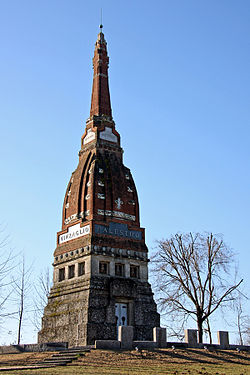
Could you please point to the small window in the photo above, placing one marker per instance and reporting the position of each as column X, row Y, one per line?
column 81, row 269
column 119, row 269
column 71, row 271
column 103, row 268
column 61, row 274
column 134, row 271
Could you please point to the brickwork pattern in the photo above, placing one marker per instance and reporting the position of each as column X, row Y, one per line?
column 100, row 227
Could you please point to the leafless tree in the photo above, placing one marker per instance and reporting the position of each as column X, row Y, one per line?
column 208, row 331
column 42, row 289
column 248, row 334
column 21, row 292
column 242, row 318
column 193, row 275
column 7, row 265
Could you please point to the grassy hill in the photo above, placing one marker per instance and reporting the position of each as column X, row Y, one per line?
column 162, row 361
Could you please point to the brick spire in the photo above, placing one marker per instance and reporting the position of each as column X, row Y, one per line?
column 100, row 100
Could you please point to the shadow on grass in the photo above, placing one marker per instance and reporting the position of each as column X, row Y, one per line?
column 175, row 355
column 218, row 356
column 237, row 356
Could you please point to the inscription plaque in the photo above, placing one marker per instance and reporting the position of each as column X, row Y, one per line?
column 119, row 230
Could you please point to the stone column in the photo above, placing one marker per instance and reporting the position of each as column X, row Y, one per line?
column 76, row 269
column 55, row 275
column 159, row 336
column 191, row 337
column 66, row 272
column 223, row 339
column 127, row 270
column 126, row 336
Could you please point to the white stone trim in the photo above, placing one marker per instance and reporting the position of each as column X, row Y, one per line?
column 119, row 214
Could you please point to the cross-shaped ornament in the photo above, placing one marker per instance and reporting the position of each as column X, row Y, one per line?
column 118, row 202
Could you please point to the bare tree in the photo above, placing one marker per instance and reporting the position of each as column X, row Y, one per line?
column 21, row 291
column 248, row 334
column 42, row 289
column 193, row 275
column 242, row 318
column 208, row 331
column 7, row 266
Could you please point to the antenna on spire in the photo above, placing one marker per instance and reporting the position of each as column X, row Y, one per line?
column 101, row 25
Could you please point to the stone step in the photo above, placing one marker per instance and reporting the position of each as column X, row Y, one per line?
column 66, row 356
column 75, row 350
column 59, row 361
column 70, row 355
column 73, row 353
column 33, row 367
column 81, row 347
column 53, row 364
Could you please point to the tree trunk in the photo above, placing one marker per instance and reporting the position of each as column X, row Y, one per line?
column 200, row 330
column 22, row 288
column 209, row 332
column 239, row 328
column 19, row 327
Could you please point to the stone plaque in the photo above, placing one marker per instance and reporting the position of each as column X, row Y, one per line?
column 90, row 136
column 74, row 232
column 119, row 230
column 108, row 135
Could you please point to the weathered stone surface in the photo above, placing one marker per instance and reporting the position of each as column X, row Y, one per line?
column 191, row 337
column 160, row 337
column 223, row 339
column 125, row 336
column 83, row 317
column 107, row 344
column 145, row 345
column 100, row 235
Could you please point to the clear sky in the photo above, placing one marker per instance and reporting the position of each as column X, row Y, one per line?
column 180, row 91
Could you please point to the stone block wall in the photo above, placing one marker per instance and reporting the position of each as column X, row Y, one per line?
column 86, row 312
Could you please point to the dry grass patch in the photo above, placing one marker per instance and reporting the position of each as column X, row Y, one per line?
column 23, row 359
column 165, row 361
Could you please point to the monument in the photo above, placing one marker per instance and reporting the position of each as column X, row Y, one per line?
column 100, row 278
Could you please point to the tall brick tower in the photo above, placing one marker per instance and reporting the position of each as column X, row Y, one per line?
column 101, row 259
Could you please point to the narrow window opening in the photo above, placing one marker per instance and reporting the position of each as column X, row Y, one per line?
column 119, row 269
column 134, row 272
column 81, row 269
column 71, row 271
column 103, row 268
column 61, row 274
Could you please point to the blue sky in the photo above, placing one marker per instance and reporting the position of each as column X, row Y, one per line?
column 180, row 92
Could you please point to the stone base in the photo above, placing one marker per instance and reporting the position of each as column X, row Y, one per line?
column 82, row 312
column 108, row 344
